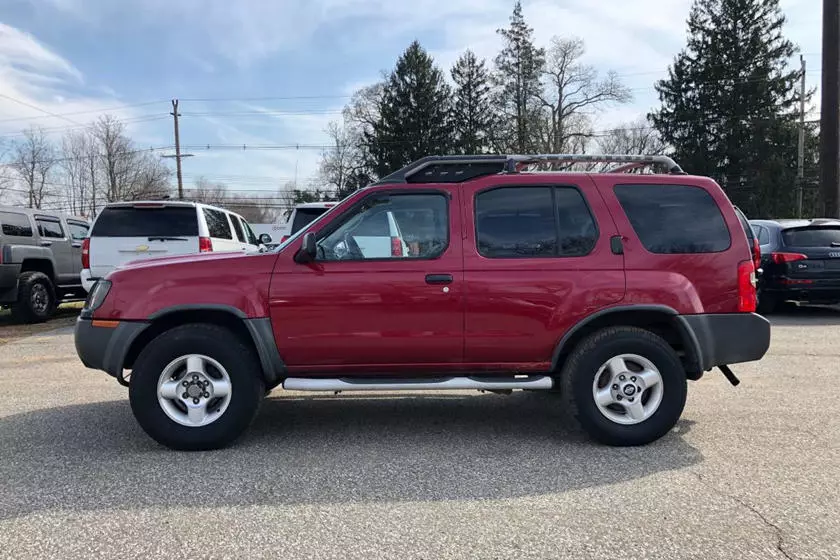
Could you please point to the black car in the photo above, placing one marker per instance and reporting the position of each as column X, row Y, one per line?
column 800, row 261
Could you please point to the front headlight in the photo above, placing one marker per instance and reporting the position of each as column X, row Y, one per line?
column 97, row 295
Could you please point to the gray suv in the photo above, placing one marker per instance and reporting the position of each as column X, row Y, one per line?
column 40, row 261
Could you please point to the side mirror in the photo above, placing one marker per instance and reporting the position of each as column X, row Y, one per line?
column 308, row 250
column 265, row 239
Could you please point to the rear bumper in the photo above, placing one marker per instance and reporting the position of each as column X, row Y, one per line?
column 105, row 348
column 87, row 280
column 728, row 338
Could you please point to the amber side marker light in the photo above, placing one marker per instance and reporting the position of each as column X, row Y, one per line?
column 105, row 324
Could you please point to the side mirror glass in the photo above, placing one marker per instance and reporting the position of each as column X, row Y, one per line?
column 265, row 238
column 308, row 250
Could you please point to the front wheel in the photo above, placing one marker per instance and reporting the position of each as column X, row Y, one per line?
column 195, row 387
column 625, row 385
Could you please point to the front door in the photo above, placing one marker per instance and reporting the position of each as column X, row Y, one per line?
column 385, row 293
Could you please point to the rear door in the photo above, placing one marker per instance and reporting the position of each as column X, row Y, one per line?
column 124, row 233
column 52, row 234
column 221, row 230
column 537, row 260
column 820, row 245
column 78, row 231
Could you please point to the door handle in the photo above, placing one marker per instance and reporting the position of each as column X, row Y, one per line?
column 438, row 279
column 46, row 243
column 77, row 245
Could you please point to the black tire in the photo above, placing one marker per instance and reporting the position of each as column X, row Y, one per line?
column 579, row 372
column 218, row 343
column 767, row 303
column 36, row 301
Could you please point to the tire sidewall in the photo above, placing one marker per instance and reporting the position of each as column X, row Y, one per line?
column 673, row 398
column 24, row 305
column 246, row 388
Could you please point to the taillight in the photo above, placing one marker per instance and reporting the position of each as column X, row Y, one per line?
column 396, row 247
column 746, row 287
column 756, row 254
column 205, row 245
column 86, row 253
column 782, row 258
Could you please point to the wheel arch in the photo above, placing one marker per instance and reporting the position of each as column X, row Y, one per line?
column 256, row 332
column 662, row 320
column 39, row 264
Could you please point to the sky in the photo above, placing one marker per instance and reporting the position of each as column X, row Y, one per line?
column 275, row 72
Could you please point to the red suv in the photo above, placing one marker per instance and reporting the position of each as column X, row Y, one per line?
column 456, row 272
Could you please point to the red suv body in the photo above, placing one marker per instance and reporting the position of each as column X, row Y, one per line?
column 494, row 278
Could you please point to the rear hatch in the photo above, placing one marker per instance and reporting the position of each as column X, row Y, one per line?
column 811, row 253
column 129, row 232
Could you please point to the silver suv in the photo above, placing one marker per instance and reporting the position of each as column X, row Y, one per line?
column 40, row 261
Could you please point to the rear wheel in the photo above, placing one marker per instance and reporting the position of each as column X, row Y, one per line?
column 36, row 298
column 195, row 387
column 625, row 385
column 767, row 303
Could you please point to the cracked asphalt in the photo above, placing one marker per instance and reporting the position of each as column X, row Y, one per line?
column 750, row 472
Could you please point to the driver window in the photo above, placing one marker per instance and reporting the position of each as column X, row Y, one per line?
column 403, row 226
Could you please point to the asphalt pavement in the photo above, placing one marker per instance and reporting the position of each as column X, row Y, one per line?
column 750, row 472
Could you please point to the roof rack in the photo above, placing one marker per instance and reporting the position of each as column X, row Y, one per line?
column 456, row 169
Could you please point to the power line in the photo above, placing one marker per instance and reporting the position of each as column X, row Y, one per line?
column 24, row 103
column 74, row 113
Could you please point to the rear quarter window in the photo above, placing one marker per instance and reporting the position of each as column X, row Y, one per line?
column 674, row 219
column 128, row 221
column 812, row 237
column 18, row 225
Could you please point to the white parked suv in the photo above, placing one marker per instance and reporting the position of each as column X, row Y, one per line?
column 130, row 231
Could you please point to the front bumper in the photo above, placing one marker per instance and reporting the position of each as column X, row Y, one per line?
column 728, row 338
column 105, row 348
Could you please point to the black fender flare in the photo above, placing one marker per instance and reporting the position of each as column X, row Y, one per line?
column 694, row 354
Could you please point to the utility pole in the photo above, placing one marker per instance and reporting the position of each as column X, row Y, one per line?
column 830, row 108
column 800, row 161
column 175, row 114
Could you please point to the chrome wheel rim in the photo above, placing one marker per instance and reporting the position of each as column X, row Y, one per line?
column 628, row 389
column 194, row 390
column 39, row 298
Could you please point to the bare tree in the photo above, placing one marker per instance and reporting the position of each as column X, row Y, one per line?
column 33, row 160
column 343, row 164
column 129, row 173
column 572, row 93
column 6, row 170
column 207, row 192
column 76, row 154
column 634, row 138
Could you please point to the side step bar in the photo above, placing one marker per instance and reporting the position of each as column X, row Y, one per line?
column 438, row 384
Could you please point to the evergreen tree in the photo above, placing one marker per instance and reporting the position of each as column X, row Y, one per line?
column 517, row 76
column 413, row 116
column 472, row 114
column 728, row 103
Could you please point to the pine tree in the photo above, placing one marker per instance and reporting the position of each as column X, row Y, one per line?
column 472, row 114
column 413, row 118
column 728, row 102
column 517, row 76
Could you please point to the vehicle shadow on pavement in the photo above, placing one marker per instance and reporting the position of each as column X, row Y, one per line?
column 333, row 449
column 806, row 316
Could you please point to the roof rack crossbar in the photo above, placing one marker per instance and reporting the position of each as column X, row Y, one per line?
column 455, row 169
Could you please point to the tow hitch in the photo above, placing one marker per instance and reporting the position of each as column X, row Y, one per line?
column 729, row 375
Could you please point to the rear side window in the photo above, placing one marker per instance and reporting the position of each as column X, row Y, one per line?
column 217, row 224
column 516, row 222
column 128, row 221
column 12, row 223
column 812, row 237
column 763, row 235
column 77, row 231
column 671, row 219
column 240, row 230
column 304, row 216
column 50, row 229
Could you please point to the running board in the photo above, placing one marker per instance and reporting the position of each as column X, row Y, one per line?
column 437, row 384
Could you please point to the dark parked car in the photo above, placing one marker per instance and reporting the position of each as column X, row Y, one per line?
column 800, row 261
column 613, row 289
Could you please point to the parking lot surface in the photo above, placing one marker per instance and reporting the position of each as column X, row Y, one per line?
column 750, row 472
